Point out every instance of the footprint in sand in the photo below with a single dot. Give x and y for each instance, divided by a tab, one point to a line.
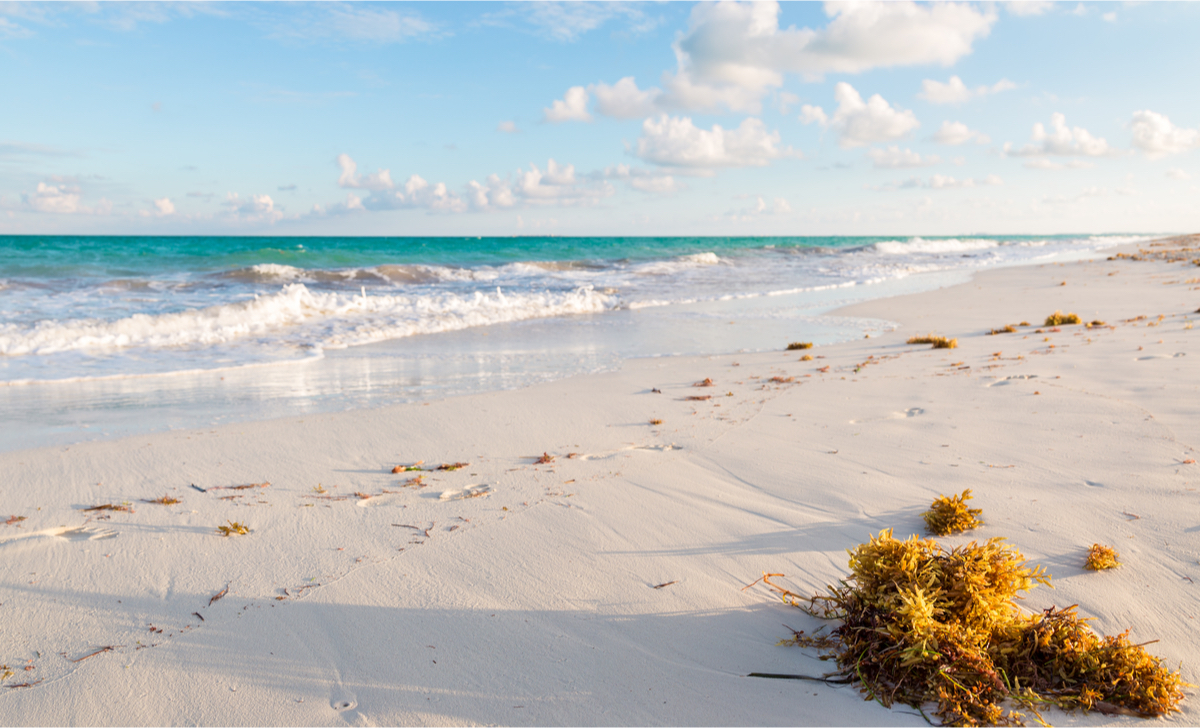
471	491
614	453
1012	379
910	412
78	533
1163	356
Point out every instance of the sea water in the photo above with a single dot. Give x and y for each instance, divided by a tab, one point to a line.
102	336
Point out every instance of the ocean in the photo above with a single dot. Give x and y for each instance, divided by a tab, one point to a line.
102	336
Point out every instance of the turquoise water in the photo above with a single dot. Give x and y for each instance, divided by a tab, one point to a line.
113	335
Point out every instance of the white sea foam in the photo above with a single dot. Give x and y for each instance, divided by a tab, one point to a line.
920	245
678	264
298	316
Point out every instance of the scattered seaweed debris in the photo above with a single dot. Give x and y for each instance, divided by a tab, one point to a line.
110	507
697	398
782	380
1009	329
948	516
1101	557
417	482
664	584
920	624
656	421
13	520
545	459
235	528
939	342
217	597
706	382
408	468
247	486
26	684
1097	323
452	466
166	500
106	648
797	345
1058	318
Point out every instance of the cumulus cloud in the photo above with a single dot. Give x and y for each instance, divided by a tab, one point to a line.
955	91
379	180
643	180
760	208
259	208
734	54
554	184
942	182
164	206
571	107
624	100
1028	8
859	123
62	196
1157	137
508	127
896	158
955	133
1060	140
677	142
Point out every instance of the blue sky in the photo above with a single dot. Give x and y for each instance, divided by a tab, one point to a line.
598	119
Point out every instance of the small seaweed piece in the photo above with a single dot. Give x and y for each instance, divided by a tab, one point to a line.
781	380
1101	557
1097	322
656	421
806	357
1058	318
948	516
939	342
216	598
409	468
698	397
1009	329
545	459
417	482
235	528
166	500
796	345
452	466
110	507
706	382
14	519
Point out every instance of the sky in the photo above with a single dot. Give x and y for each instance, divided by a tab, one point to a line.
472	118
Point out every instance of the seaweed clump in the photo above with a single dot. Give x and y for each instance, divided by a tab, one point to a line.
920	625
939	342
951	515
1058	318
1008	329
795	345
1101	557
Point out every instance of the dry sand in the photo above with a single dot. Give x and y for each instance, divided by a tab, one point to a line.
537	601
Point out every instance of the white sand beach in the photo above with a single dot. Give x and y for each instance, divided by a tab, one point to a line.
606	587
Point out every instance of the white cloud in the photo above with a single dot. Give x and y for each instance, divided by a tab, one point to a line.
557	185
379	180
1157	137
942	182
896	158
164	206
337	21
508	127
760	208
1028	8
62	196
1109	17
10	30
567	21
624	100
955	91
677	142
417	194
572	107
1178	174
641	179
954	133
1046	164
259	208
1061	140
734	54
858	123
